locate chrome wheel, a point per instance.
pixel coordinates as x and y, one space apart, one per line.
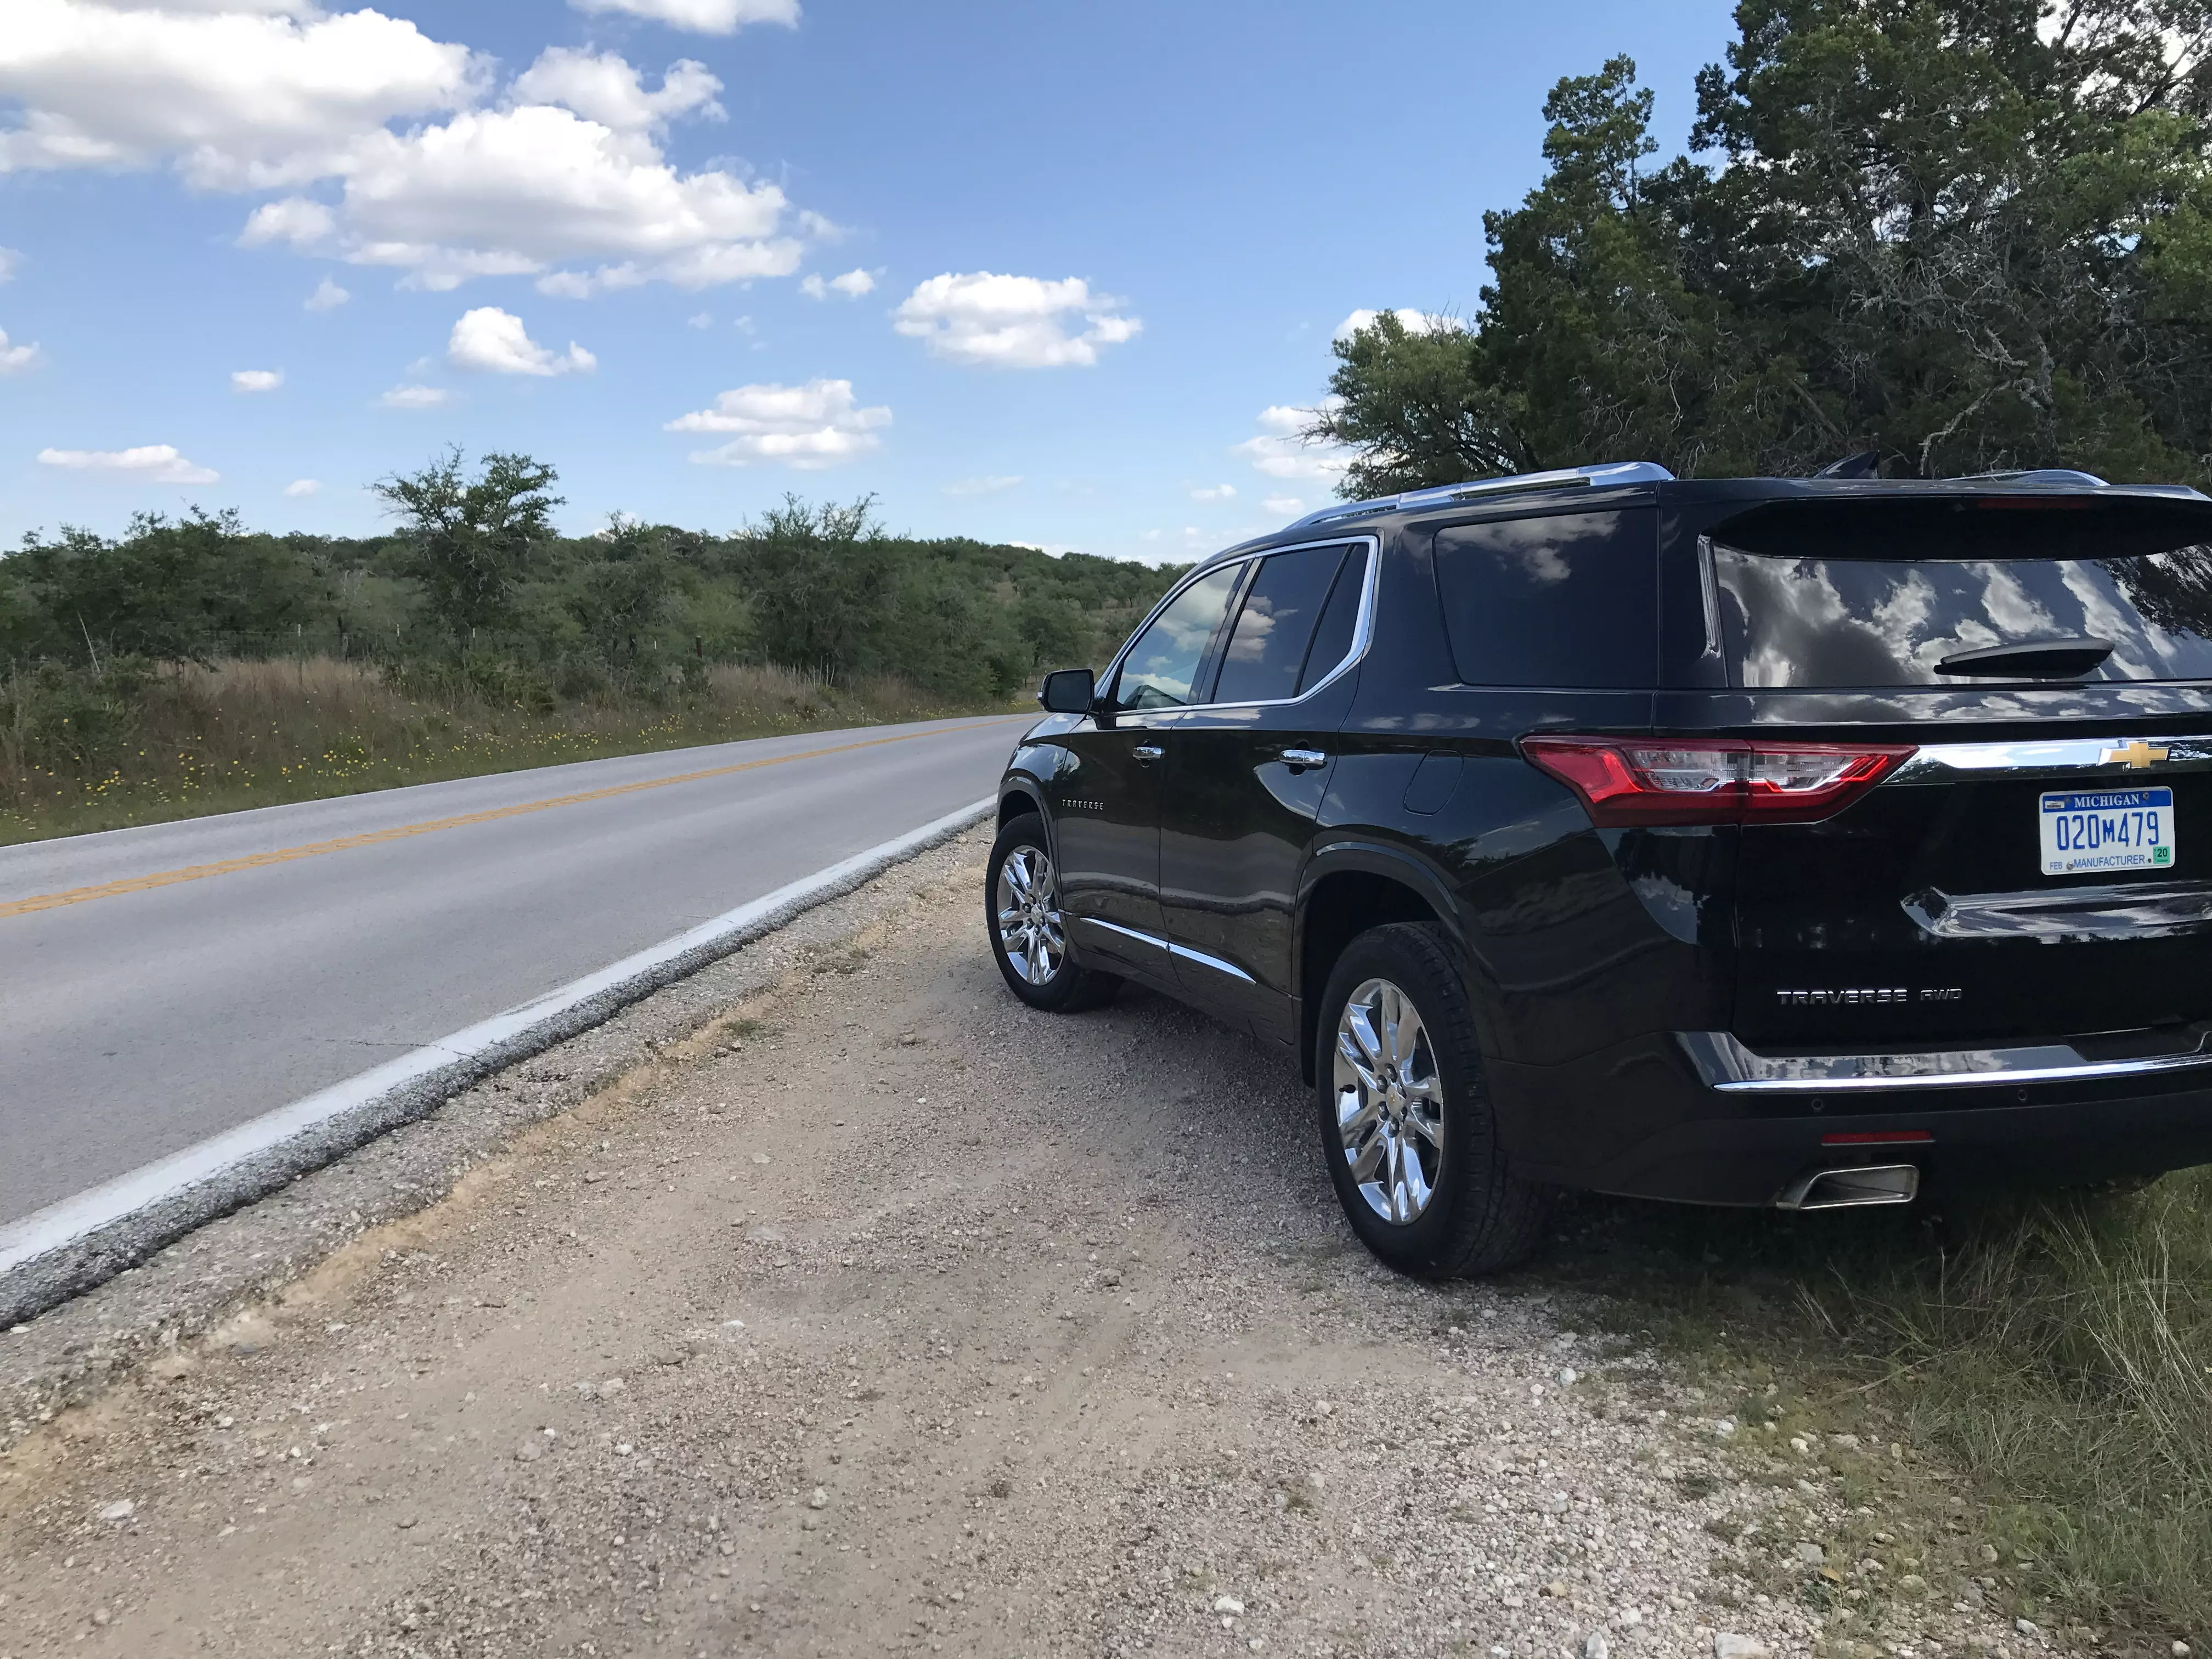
1031 930
1389 1102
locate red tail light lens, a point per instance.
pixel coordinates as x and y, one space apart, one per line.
1638 780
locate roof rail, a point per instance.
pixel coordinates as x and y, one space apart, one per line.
1568 478
2064 478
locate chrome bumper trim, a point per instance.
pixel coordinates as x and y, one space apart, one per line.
1726 1066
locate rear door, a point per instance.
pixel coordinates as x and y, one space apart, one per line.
1246 773
2042 867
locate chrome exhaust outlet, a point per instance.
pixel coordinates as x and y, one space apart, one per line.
1851 1188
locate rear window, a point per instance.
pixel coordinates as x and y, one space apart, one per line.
1567 600
1879 595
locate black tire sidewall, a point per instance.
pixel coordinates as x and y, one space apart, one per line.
1429 1244
1056 993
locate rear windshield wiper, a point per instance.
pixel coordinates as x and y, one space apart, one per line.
2041 660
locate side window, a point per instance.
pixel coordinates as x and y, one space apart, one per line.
1339 619
1571 600
1158 672
1268 647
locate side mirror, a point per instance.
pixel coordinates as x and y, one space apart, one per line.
1068 691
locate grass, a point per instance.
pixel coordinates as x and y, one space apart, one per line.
2054 1354
253 733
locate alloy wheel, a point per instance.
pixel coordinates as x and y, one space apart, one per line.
1031 930
1390 1101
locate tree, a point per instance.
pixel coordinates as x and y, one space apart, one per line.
1967 235
471 542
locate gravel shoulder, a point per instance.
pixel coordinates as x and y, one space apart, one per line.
871 1313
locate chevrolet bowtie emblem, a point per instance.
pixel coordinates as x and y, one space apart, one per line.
2137 754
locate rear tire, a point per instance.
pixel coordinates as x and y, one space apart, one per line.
1028 933
1406 1125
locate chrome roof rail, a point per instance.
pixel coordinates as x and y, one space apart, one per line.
1568 478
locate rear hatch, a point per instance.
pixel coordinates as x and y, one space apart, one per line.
2040 867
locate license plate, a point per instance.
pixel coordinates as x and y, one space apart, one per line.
2106 829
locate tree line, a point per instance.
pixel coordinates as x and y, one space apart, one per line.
475 590
1945 236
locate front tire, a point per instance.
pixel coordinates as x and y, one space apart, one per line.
1406 1120
1028 932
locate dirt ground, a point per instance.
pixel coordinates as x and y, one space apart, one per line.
886 1316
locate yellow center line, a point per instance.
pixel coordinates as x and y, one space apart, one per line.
346 843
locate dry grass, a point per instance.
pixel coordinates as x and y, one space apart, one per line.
2056 1351
249 734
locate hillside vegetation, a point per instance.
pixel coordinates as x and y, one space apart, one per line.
193 665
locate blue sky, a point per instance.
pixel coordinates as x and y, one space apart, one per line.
588 234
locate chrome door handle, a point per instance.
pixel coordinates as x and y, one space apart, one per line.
1147 751
1304 758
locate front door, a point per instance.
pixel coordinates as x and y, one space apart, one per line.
1246 773
1106 790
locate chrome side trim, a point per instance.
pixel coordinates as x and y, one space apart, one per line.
1726 1065
1185 953
1180 951
1155 942
1362 628
1942 762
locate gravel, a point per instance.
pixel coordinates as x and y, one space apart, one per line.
752 1350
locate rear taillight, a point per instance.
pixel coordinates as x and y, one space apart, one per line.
1633 780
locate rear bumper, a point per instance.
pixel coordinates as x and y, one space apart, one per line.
1656 1120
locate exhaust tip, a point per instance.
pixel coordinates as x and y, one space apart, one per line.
1852 1188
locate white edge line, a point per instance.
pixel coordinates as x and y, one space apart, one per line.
62 1224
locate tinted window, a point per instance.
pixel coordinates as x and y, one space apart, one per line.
1275 625
1339 617
1158 672
1570 601
1838 621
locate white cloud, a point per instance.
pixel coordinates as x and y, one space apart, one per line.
300 487
14 360
513 191
811 426
1213 493
327 296
853 284
154 463
565 169
495 342
701 319
411 396
1013 322
233 99
603 87
989 485
702 16
1288 507
1280 452
10 261
1413 322
256 380
297 219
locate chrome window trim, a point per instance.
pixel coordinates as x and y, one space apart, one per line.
1943 762
1726 1066
1363 626
1184 951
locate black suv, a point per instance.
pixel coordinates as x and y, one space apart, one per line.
1756 842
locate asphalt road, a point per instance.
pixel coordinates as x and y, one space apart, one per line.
141 1013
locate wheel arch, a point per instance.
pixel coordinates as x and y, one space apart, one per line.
1346 889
